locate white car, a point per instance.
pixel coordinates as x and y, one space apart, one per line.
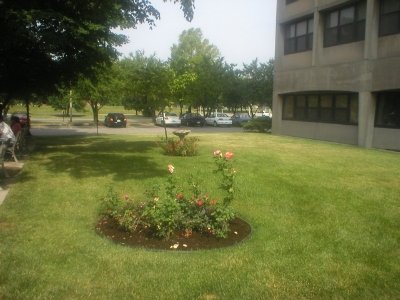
170 119
218 119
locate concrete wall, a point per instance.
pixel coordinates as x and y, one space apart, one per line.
340 54
342 77
347 134
385 74
386 138
389 46
294 10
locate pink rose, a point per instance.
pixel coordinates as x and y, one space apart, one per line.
217 153
199 202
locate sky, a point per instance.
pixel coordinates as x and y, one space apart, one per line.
242 30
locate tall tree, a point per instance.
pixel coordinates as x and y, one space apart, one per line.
209 85
98 91
233 88
191 48
147 84
65 99
47 42
258 83
196 58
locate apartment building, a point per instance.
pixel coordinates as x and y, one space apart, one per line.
337 71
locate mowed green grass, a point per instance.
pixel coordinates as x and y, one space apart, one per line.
325 219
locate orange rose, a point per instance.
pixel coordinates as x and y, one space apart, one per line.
228 155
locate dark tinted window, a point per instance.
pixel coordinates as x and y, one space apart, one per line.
345 25
388 110
299 36
341 108
389 17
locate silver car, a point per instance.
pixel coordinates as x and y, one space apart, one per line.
169 118
218 119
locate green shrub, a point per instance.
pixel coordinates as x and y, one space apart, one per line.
261 124
176 147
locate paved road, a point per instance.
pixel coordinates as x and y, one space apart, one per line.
139 125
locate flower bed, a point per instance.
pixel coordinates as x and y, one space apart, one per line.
177 210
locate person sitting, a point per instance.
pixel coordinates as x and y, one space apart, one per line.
15 125
5 131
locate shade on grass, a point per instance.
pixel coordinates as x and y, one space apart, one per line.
325 219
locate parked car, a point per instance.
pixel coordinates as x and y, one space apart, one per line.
22 116
193 119
170 119
263 114
218 119
115 120
238 119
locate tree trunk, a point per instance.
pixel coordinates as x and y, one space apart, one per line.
28 117
95 111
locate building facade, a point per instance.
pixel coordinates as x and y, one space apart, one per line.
337 71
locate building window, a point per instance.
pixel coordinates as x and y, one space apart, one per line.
389 19
290 1
299 36
388 110
339 108
345 25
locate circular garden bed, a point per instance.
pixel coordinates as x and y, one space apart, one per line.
239 231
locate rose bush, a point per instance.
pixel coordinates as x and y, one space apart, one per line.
177 147
175 208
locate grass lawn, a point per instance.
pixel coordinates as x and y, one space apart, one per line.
325 218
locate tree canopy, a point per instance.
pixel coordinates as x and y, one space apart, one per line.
44 43
146 83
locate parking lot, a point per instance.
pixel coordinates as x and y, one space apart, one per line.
136 125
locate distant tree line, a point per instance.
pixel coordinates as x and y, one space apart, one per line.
71 59
195 78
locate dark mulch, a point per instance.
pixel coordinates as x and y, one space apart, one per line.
240 230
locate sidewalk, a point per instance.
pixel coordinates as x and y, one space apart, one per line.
12 170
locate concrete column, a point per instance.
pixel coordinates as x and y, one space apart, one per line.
366 118
371 30
276 114
317 38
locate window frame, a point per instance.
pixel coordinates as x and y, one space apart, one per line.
344 32
384 16
292 44
333 113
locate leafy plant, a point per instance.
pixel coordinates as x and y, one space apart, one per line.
176 147
261 124
224 166
177 208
